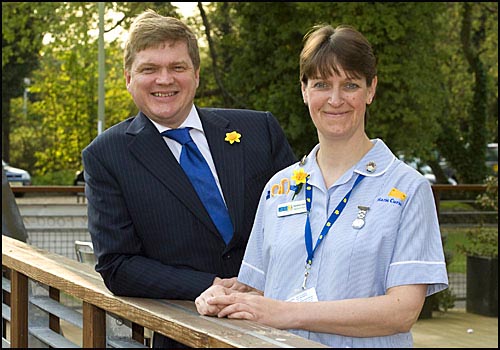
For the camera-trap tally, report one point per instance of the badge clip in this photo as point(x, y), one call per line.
point(359, 222)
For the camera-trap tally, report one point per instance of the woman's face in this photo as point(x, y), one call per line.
point(337, 104)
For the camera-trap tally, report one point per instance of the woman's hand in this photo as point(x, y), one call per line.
point(210, 309)
point(250, 306)
point(220, 287)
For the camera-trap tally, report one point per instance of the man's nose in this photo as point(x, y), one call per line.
point(164, 77)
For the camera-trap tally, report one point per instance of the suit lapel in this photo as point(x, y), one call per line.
point(151, 150)
point(229, 162)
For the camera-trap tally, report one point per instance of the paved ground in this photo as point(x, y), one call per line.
point(456, 329)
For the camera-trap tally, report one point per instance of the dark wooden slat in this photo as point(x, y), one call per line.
point(48, 189)
point(94, 326)
point(19, 310)
point(54, 319)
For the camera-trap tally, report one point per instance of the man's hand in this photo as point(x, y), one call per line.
point(233, 284)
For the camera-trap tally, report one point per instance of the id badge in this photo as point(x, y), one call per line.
point(290, 208)
point(308, 295)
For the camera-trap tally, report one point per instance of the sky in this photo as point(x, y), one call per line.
point(186, 8)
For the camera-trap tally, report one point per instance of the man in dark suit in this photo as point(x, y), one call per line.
point(152, 234)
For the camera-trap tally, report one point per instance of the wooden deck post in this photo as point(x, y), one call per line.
point(19, 310)
point(94, 326)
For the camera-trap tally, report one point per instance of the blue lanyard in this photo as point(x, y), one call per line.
point(329, 223)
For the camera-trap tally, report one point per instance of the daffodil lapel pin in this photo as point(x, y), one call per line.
point(232, 137)
point(300, 177)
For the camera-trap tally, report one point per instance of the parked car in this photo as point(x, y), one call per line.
point(424, 169)
point(16, 176)
point(79, 180)
point(492, 158)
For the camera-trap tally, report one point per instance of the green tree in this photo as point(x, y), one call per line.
point(63, 119)
point(259, 44)
point(22, 35)
point(437, 93)
point(471, 79)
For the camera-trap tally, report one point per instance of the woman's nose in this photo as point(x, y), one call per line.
point(335, 98)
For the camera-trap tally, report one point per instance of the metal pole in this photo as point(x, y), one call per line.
point(101, 72)
point(27, 83)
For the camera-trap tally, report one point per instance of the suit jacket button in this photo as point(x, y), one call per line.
point(226, 257)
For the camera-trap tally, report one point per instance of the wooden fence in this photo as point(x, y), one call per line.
point(177, 319)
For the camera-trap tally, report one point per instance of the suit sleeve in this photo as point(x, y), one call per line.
point(121, 261)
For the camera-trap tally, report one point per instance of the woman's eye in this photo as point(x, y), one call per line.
point(320, 85)
point(351, 86)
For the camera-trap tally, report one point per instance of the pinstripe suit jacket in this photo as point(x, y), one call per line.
point(152, 236)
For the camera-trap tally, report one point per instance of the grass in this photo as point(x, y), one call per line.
point(458, 236)
point(454, 236)
point(450, 205)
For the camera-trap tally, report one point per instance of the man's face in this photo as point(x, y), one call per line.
point(163, 82)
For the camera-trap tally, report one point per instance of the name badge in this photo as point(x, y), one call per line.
point(307, 295)
point(291, 208)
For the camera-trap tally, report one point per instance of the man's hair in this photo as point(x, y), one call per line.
point(327, 50)
point(150, 30)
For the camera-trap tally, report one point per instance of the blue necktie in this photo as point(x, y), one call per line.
point(198, 171)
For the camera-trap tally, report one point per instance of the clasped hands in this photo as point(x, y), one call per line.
point(229, 298)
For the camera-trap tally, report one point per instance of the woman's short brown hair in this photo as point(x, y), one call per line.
point(327, 50)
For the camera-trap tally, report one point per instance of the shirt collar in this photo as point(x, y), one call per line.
point(192, 121)
point(377, 161)
point(379, 158)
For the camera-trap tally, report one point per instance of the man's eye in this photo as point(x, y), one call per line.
point(147, 70)
point(179, 68)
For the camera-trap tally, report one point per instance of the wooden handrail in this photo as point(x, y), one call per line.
point(62, 189)
point(176, 319)
point(438, 188)
point(48, 189)
point(460, 187)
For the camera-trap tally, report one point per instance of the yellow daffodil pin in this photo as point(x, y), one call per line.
point(232, 137)
point(300, 177)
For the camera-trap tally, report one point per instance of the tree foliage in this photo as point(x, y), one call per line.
point(260, 65)
point(471, 81)
point(21, 43)
point(437, 93)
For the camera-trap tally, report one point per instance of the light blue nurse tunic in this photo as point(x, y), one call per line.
point(399, 244)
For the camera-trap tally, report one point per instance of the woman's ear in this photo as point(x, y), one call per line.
point(371, 90)
point(304, 92)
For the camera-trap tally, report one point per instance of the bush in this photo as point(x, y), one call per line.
point(483, 241)
point(56, 178)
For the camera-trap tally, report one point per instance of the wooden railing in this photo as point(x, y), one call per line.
point(79, 191)
point(438, 189)
point(48, 189)
point(176, 319)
